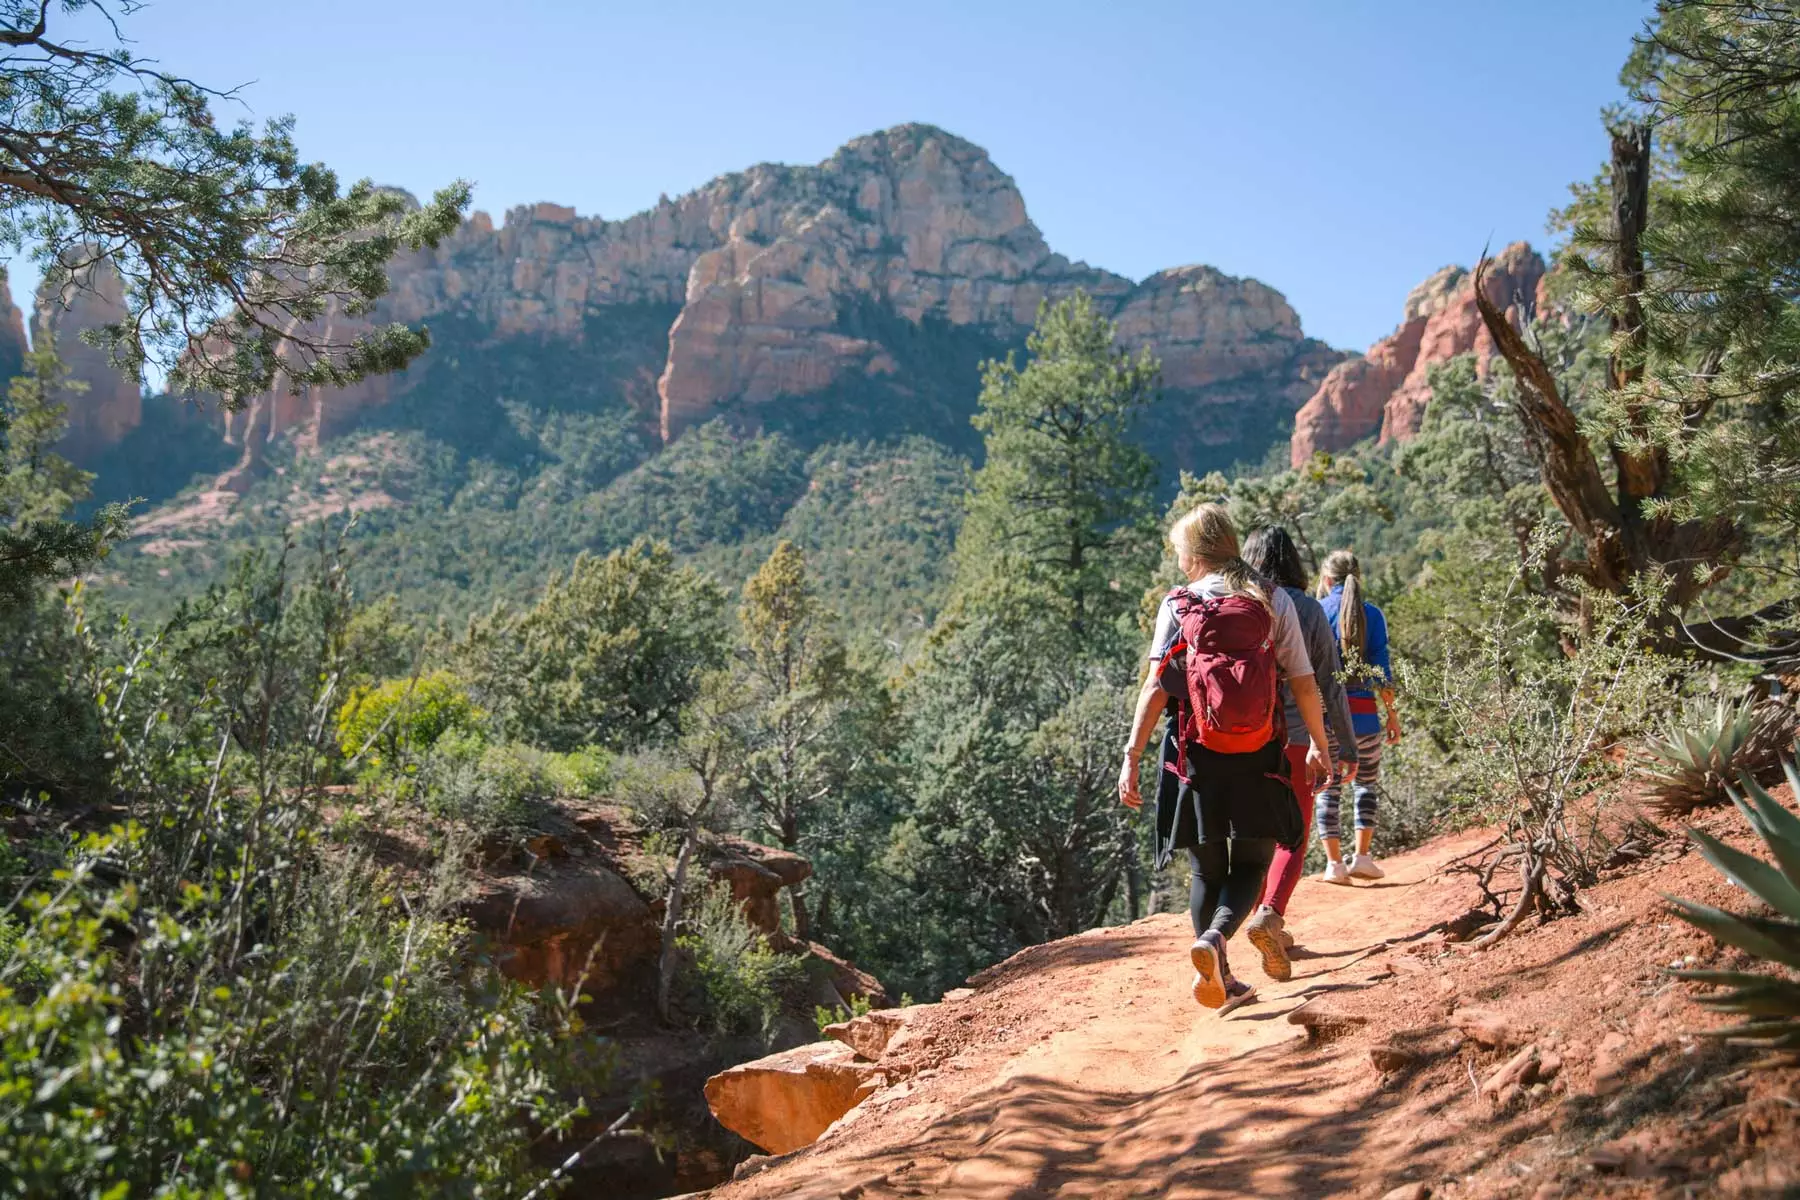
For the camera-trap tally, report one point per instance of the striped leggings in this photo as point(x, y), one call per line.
point(1368, 787)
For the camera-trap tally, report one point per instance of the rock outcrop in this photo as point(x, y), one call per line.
point(566, 923)
point(12, 332)
point(762, 280)
point(785, 1101)
point(757, 875)
point(112, 405)
point(1386, 391)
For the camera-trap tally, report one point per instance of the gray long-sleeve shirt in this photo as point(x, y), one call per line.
point(1322, 649)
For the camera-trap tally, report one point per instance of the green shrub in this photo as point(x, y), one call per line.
point(738, 978)
point(1696, 763)
point(211, 998)
point(1770, 1002)
point(389, 724)
point(494, 786)
point(824, 1017)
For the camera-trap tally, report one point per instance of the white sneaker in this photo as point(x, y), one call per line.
point(1336, 872)
point(1363, 867)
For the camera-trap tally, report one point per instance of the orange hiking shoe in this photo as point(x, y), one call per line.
point(1210, 971)
point(1265, 931)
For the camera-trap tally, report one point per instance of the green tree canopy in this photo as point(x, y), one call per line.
point(609, 655)
point(230, 246)
point(1064, 503)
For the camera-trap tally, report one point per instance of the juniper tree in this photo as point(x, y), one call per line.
point(230, 247)
point(1687, 243)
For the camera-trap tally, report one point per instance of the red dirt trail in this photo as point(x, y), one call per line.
point(1084, 1067)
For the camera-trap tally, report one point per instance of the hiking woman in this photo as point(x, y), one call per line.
point(1272, 554)
point(1362, 640)
point(1222, 795)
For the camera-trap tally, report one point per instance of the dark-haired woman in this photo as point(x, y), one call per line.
point(1272, 554)
point(1363, 642)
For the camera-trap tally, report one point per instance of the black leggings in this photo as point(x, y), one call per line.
point(1228, 882)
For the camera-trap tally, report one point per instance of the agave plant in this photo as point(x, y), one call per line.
point(1770, 1002)
point(1695, 767)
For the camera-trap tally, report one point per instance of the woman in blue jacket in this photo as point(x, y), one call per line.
point(1362, 639)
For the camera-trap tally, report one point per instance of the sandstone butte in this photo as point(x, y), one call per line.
point(759, 279)
point(1385, 391)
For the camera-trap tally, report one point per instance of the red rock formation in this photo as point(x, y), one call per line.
point(785, 1101)
point(1387, 390)
point(765, 264)
point(12, 332)
point(113, 404)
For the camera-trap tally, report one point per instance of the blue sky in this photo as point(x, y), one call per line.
point(1339, 150)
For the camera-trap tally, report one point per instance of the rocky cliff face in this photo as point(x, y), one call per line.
point(1386, 391)
point(113, 404)
point(770, 272)
point(12, 332)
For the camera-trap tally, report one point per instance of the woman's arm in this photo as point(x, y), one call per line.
point(1150, 703)
point(1393, 732)
point(1306, 695)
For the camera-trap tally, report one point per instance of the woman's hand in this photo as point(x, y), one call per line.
point(1128, 781)
point(1393, 727)
point(1346, 772)
point(1318, 763)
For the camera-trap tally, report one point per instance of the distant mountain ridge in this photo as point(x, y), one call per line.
point(861, 290)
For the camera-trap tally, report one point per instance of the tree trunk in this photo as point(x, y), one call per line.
point(1643, 468)
point(665, 963)
point(797, 902)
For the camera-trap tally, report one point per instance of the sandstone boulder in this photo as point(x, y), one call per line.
point(870, 1034)
point(565, 923)
point(785, 1101)
point(756, 875)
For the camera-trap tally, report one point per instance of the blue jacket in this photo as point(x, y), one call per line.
point(1364, 713)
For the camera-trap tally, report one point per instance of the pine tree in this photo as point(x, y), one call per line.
point(1064, 505)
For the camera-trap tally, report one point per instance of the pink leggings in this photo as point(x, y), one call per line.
point(1286, 867)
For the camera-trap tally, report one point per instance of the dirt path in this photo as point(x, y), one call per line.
point(1085, 1068)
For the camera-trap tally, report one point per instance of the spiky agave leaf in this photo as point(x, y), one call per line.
point(1694, 766)
point(1772, 1001)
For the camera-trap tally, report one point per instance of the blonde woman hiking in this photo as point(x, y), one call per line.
point(1221, 643)
point(1362, 639)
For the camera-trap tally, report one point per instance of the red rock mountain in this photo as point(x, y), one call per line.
point(113, 405)
point(764, 279)
point(1386, 390)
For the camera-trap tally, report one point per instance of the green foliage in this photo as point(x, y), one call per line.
point(392, 723)
point(824, 1017)
point(1325, 493)
point(301, 1022)
point(507, 786)
point(1771, 1001)
point(1536, 731)
point(1696, 765)
point(228, 244)
point(38, 486)
point(740, 978)
point(1710, 383)
point(608, 655)
point(1064, 502)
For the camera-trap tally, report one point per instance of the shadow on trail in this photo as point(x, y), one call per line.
point(1268, 1122)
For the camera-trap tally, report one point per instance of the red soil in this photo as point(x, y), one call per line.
point(1084, 1068)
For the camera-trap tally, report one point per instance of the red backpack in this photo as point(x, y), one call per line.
point(1229, 690)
